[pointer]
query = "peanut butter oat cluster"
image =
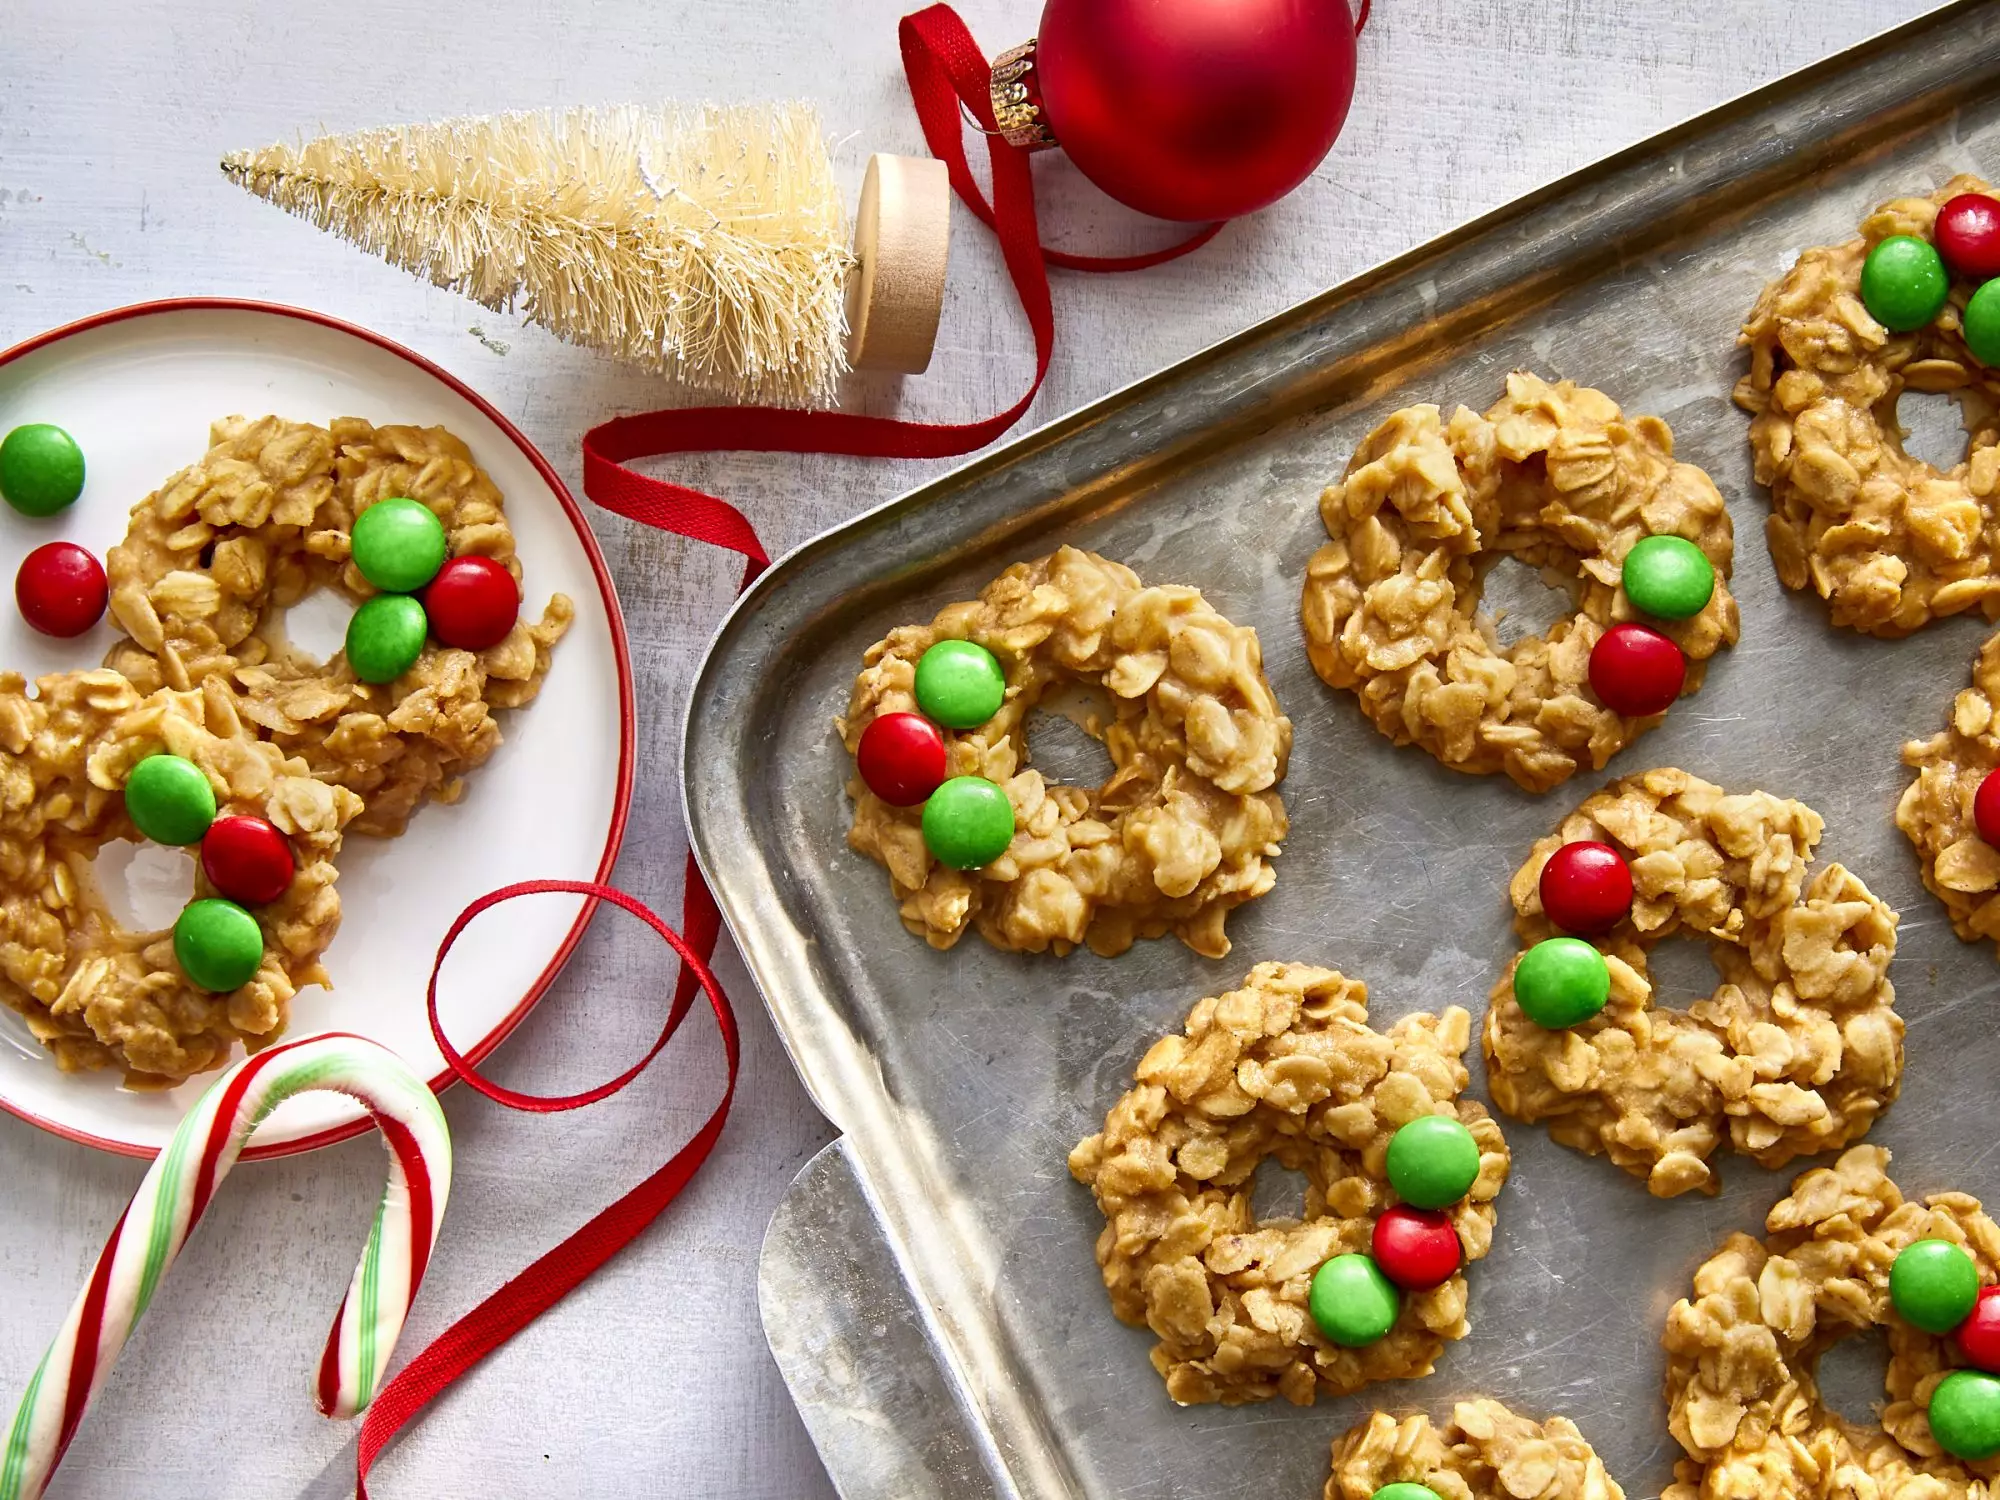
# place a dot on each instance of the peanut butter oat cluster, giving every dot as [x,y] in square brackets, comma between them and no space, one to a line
[198,586]
[1553,475]
[1285,1067]
[1742,1353]
[1889,541]
[1936,811]
[1798,1049]
[1485,1452]
[261,521]
[94,994]
[1188,825]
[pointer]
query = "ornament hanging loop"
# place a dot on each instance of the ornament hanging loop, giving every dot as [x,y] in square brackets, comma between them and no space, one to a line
[971,121]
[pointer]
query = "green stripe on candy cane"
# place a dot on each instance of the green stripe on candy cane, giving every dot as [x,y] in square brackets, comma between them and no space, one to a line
[164,1237]
[371,1282]
[178,1187]
[16,1460]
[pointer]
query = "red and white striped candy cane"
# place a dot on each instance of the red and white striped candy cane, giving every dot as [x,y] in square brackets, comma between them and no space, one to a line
[180,1186]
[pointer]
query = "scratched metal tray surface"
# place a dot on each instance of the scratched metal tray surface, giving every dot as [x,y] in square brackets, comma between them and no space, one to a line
[928,1285]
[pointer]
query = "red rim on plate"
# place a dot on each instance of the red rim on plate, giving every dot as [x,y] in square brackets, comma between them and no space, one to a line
[627,740]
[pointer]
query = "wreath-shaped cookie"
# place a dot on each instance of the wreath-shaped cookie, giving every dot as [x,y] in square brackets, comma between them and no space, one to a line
[1557,477]
[1182,833]
[1845,1253]
[1888,540]
[206,728]
[1798,1049]
[1951,811]
[1485,1452]
[265,518]
[1401,1173]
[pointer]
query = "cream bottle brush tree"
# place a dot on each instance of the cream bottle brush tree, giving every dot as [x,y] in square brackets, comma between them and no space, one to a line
[708,244]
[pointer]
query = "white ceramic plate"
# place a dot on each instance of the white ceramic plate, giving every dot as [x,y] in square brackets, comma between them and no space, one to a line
[137,388]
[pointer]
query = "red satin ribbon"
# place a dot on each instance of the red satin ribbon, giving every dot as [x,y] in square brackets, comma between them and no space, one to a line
[550,1279]
[946,70]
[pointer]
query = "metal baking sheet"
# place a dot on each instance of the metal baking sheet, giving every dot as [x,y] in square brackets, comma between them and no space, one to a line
[929,1286]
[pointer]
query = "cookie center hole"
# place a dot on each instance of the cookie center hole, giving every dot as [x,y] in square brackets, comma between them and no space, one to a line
[1521,601]
[1682,973]
[1277,1192]
[1852,1376]
[316,626]
[1061,741]
[143,885]
[1933,426]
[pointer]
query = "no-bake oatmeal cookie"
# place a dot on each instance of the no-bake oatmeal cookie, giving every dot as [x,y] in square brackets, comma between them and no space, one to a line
[1743,1351]
[1554,475]
[1936,811]
[1284,1067]
[1485,1452]
[1798,1049]
[1888,540]
[1190,822]
[262,520]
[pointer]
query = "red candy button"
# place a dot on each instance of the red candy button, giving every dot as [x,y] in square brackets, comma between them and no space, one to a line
[1967,234]
[1979,1334]
[901,758]
[1986,808]
[1586,887]
[1415,1247]
[247,859]
[1636,671]
[60,589]
[472,603]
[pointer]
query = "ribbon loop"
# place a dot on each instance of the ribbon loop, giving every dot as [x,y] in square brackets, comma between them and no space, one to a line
[517,1304]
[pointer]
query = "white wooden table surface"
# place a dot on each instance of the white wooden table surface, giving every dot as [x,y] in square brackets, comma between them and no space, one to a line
[654,1379]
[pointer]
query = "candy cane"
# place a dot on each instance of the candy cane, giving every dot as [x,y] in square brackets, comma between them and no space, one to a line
[180,1186]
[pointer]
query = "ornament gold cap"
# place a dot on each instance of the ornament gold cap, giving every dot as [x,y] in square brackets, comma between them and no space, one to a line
[902,243]
[1016,93]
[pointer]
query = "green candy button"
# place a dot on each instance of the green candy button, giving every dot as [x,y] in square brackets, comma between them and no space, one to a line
[1353,1303]
[1933,1284]
[169,799]
[1981,324]
[1561,982]
[1903,283]
[968,822]
[1668,577]
[41,469]
[398,545]
[1404,1489]
[960,684]
[1965,1415]
[385,637]
[1433,1161]
[218,944]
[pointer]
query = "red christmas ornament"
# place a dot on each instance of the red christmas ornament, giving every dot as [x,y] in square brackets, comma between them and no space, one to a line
[1636,671]
[1415,1247]
[1967,234]
[1183,109]
[472,603]
[1586,887]
[1986,808]
[901,758]
[60,589]
[1979,1334]
[247,859]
